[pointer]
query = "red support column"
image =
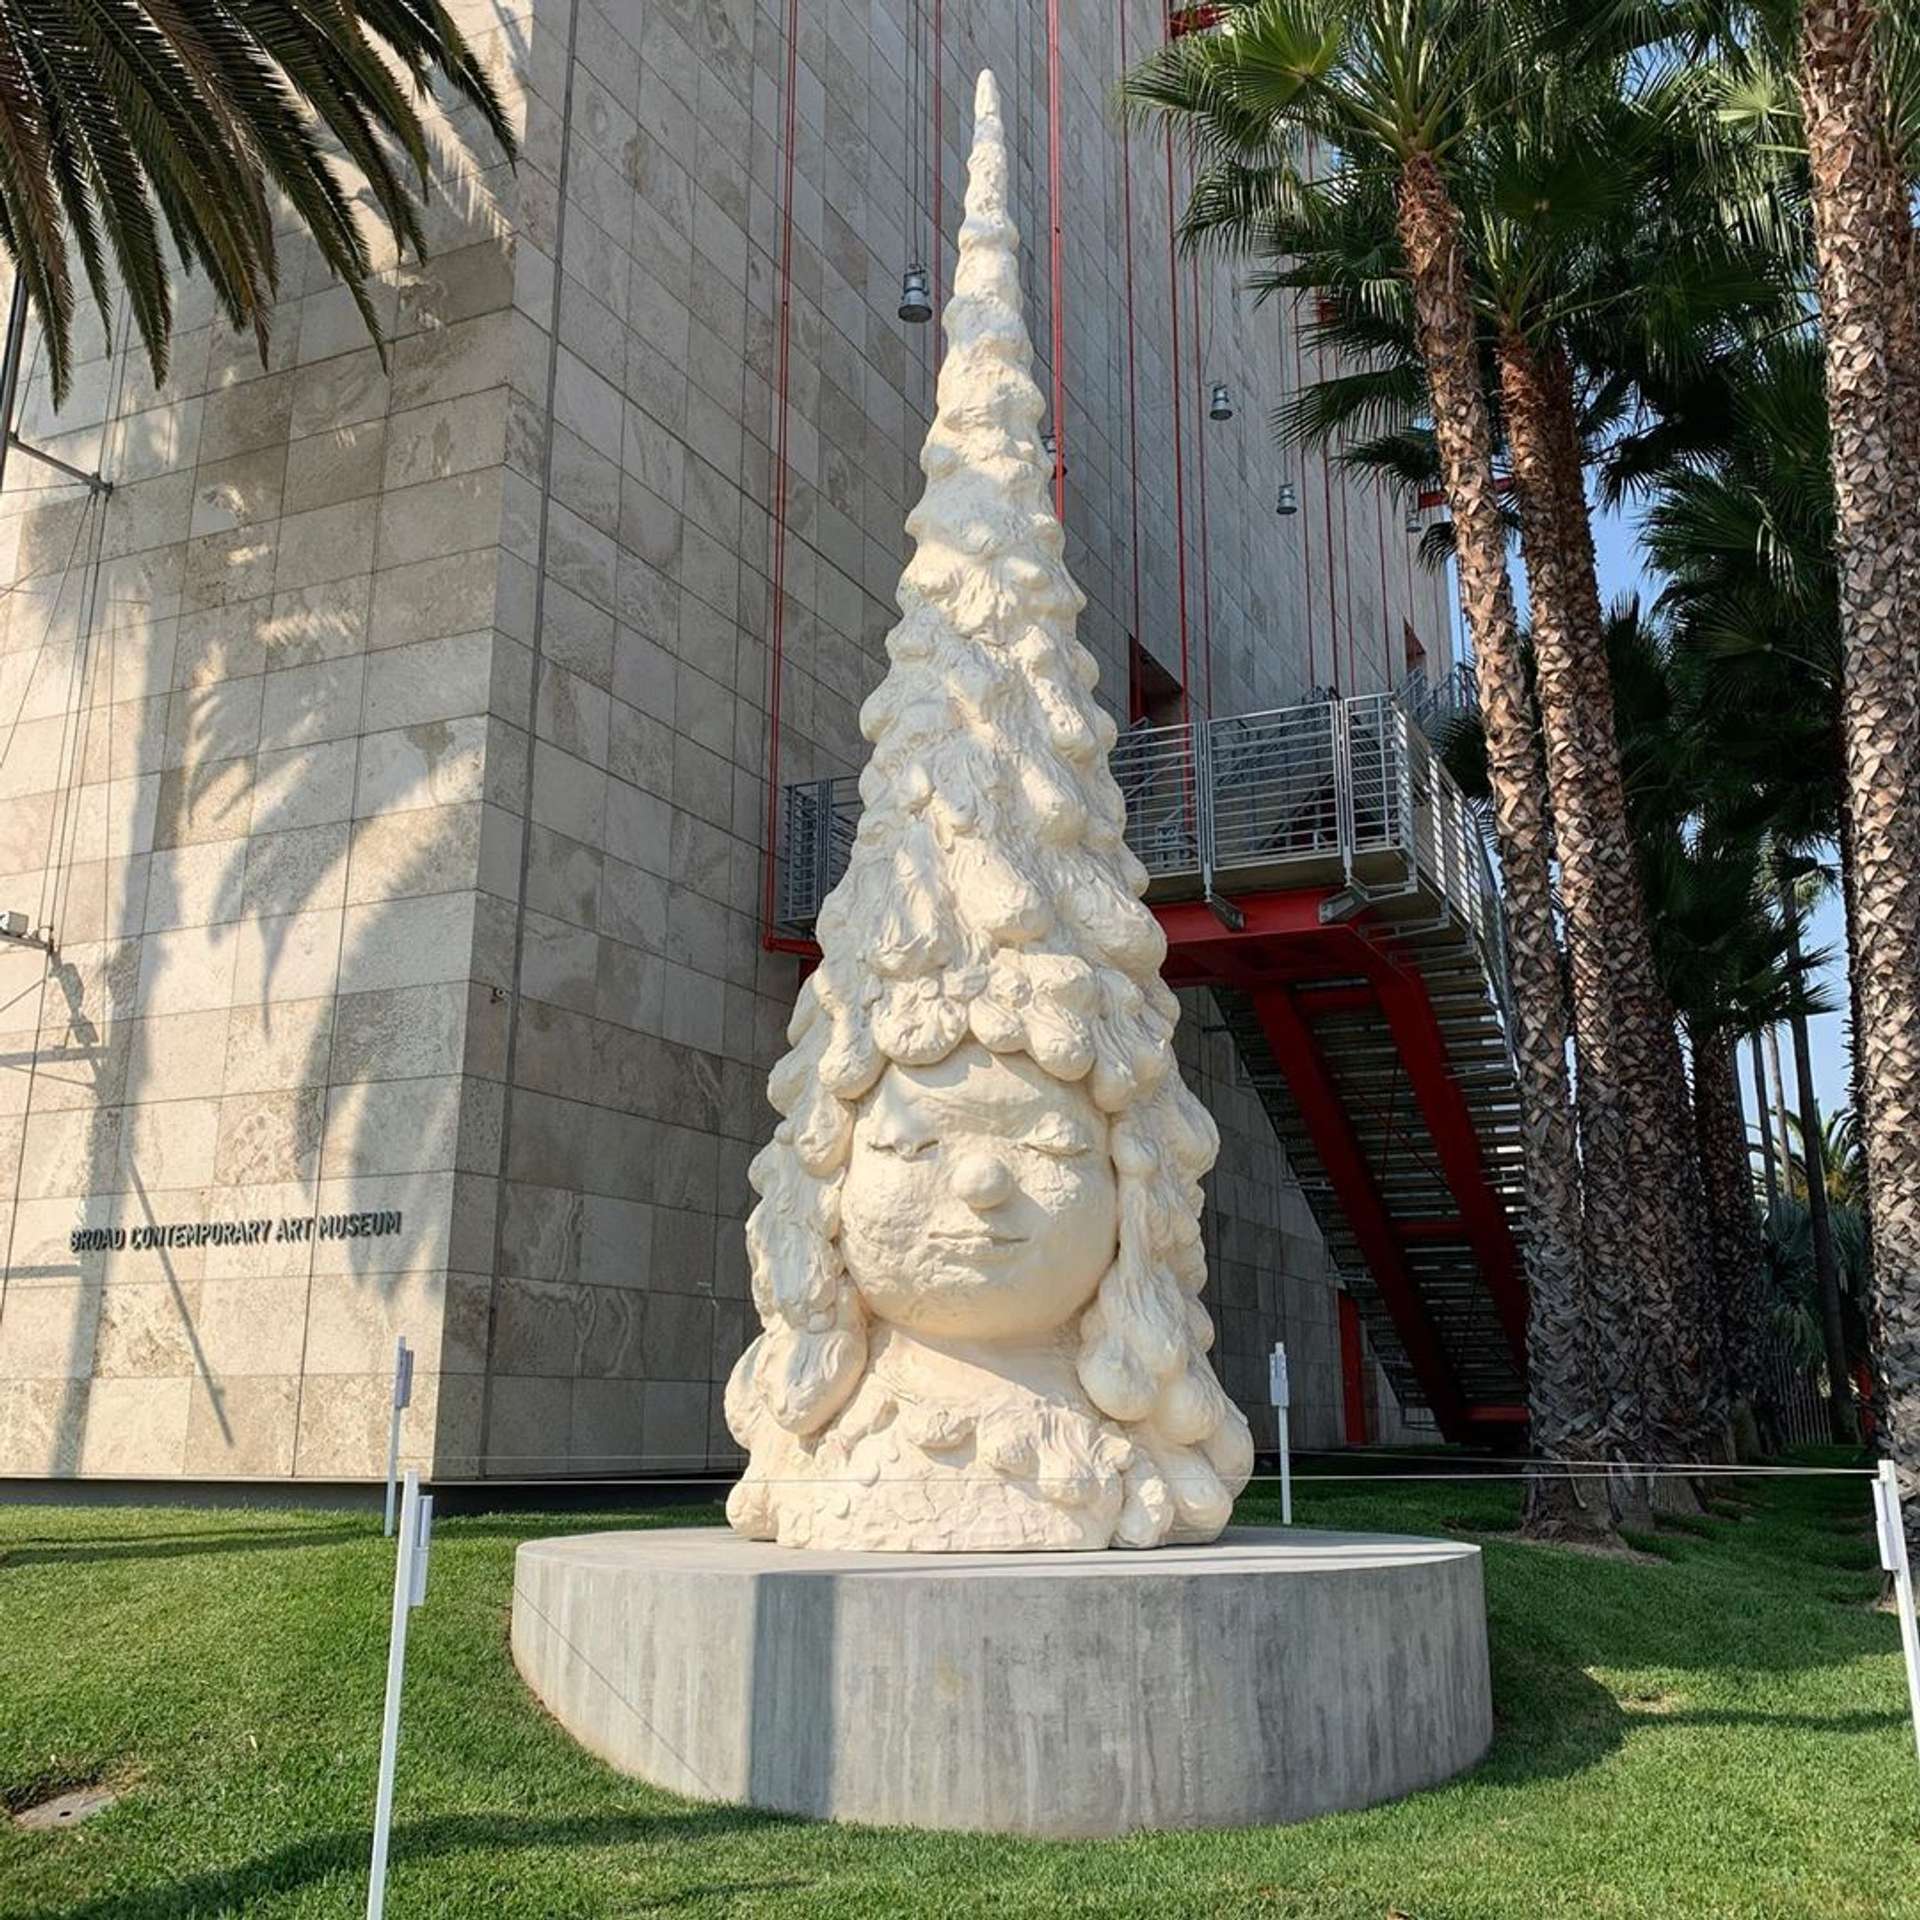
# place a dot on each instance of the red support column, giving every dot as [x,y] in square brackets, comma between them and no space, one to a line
[1057,294]
[1353,1374]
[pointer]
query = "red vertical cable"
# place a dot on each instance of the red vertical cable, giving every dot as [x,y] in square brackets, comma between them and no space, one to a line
[1206,565]
[1346,571]
[939,231]
[1346,554]
[1133,399]
[1179,472]
[912,66]
[1386,618]
[1326,500]
[1057,293]
[778,621]
[1409,547]
[1333,589]
[1306,519]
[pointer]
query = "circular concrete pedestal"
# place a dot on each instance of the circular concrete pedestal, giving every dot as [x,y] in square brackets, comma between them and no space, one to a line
[1269,1676]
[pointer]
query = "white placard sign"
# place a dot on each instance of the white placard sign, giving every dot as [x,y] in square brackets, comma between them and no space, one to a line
[1280,1392]
[402,1398]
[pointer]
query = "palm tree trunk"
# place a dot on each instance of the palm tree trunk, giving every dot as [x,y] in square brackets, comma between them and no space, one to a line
[1765,1124]
[1854,215]
[1782,1134]
[1680,1217]
[1856,1075]
[1645,1239]
[1727,1182]
[1560,1386]
[1686,1369]
[1826,1264]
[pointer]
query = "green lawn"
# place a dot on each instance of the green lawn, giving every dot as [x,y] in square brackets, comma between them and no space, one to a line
[1720,1732]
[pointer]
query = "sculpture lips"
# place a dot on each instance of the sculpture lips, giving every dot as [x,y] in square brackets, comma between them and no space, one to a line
[977,1241]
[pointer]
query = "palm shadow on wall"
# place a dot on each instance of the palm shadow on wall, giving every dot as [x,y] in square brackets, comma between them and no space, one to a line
[177,785]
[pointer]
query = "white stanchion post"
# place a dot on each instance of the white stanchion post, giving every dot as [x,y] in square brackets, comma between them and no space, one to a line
[402,1394]
[1893,1558]
[409,1591]
[1280,1391]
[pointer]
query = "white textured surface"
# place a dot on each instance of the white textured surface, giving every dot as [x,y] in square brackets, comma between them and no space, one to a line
[977,1253]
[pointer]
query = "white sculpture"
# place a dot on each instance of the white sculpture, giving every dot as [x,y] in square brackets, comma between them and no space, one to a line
[976,1253]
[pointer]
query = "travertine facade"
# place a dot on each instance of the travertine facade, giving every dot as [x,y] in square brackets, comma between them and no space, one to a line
[388,754]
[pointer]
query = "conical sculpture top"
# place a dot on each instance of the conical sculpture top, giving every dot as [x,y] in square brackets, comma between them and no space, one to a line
[976,1253]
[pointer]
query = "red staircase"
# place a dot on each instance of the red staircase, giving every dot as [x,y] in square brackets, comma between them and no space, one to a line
[1318,872]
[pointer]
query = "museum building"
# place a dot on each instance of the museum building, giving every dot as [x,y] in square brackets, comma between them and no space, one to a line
[419,773]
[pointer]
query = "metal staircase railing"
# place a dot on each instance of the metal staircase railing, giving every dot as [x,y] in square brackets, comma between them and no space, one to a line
[818,820]
[1331,784]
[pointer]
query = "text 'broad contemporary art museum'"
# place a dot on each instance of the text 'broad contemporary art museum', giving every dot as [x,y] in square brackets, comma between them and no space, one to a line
[390,760]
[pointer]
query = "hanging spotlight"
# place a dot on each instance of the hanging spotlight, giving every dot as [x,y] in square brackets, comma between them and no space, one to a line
[1220,407]
[914,302]
[1289,500]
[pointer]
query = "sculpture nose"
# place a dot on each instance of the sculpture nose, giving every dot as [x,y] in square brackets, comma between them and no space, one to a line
[982,1181]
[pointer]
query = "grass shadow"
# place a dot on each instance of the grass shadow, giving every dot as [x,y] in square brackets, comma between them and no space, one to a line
[347,1851]
[1558,1645]
[177,1546]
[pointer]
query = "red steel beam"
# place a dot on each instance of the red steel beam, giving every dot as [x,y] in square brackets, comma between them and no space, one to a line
[1425,1231]
[1281,938]
[1299,1058]
[1263,915]
[1436,496]
[1423,1051]
[1337,997]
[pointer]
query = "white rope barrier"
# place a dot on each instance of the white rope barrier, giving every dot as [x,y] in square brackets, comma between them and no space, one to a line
[567,1472]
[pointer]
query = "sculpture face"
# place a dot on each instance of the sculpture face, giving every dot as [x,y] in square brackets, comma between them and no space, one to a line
[979,1199]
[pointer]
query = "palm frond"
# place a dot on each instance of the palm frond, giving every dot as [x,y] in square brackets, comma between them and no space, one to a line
[149,135]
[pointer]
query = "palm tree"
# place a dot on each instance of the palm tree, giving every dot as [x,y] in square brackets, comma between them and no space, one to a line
[1853,65]
[1609,288]
[1843,1158]
[1589,292]
[1697,887]
[1705,802]
[1560,240]
[139,134]
[1731,959]
[1741,519]
[1391,88]
[1864,244]
[1528,211]
[1846,1429]
[1723,951]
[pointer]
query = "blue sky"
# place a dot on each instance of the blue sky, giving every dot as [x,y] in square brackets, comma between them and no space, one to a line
[1621,572]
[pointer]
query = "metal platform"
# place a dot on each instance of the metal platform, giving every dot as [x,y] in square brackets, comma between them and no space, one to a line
[1317,869]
